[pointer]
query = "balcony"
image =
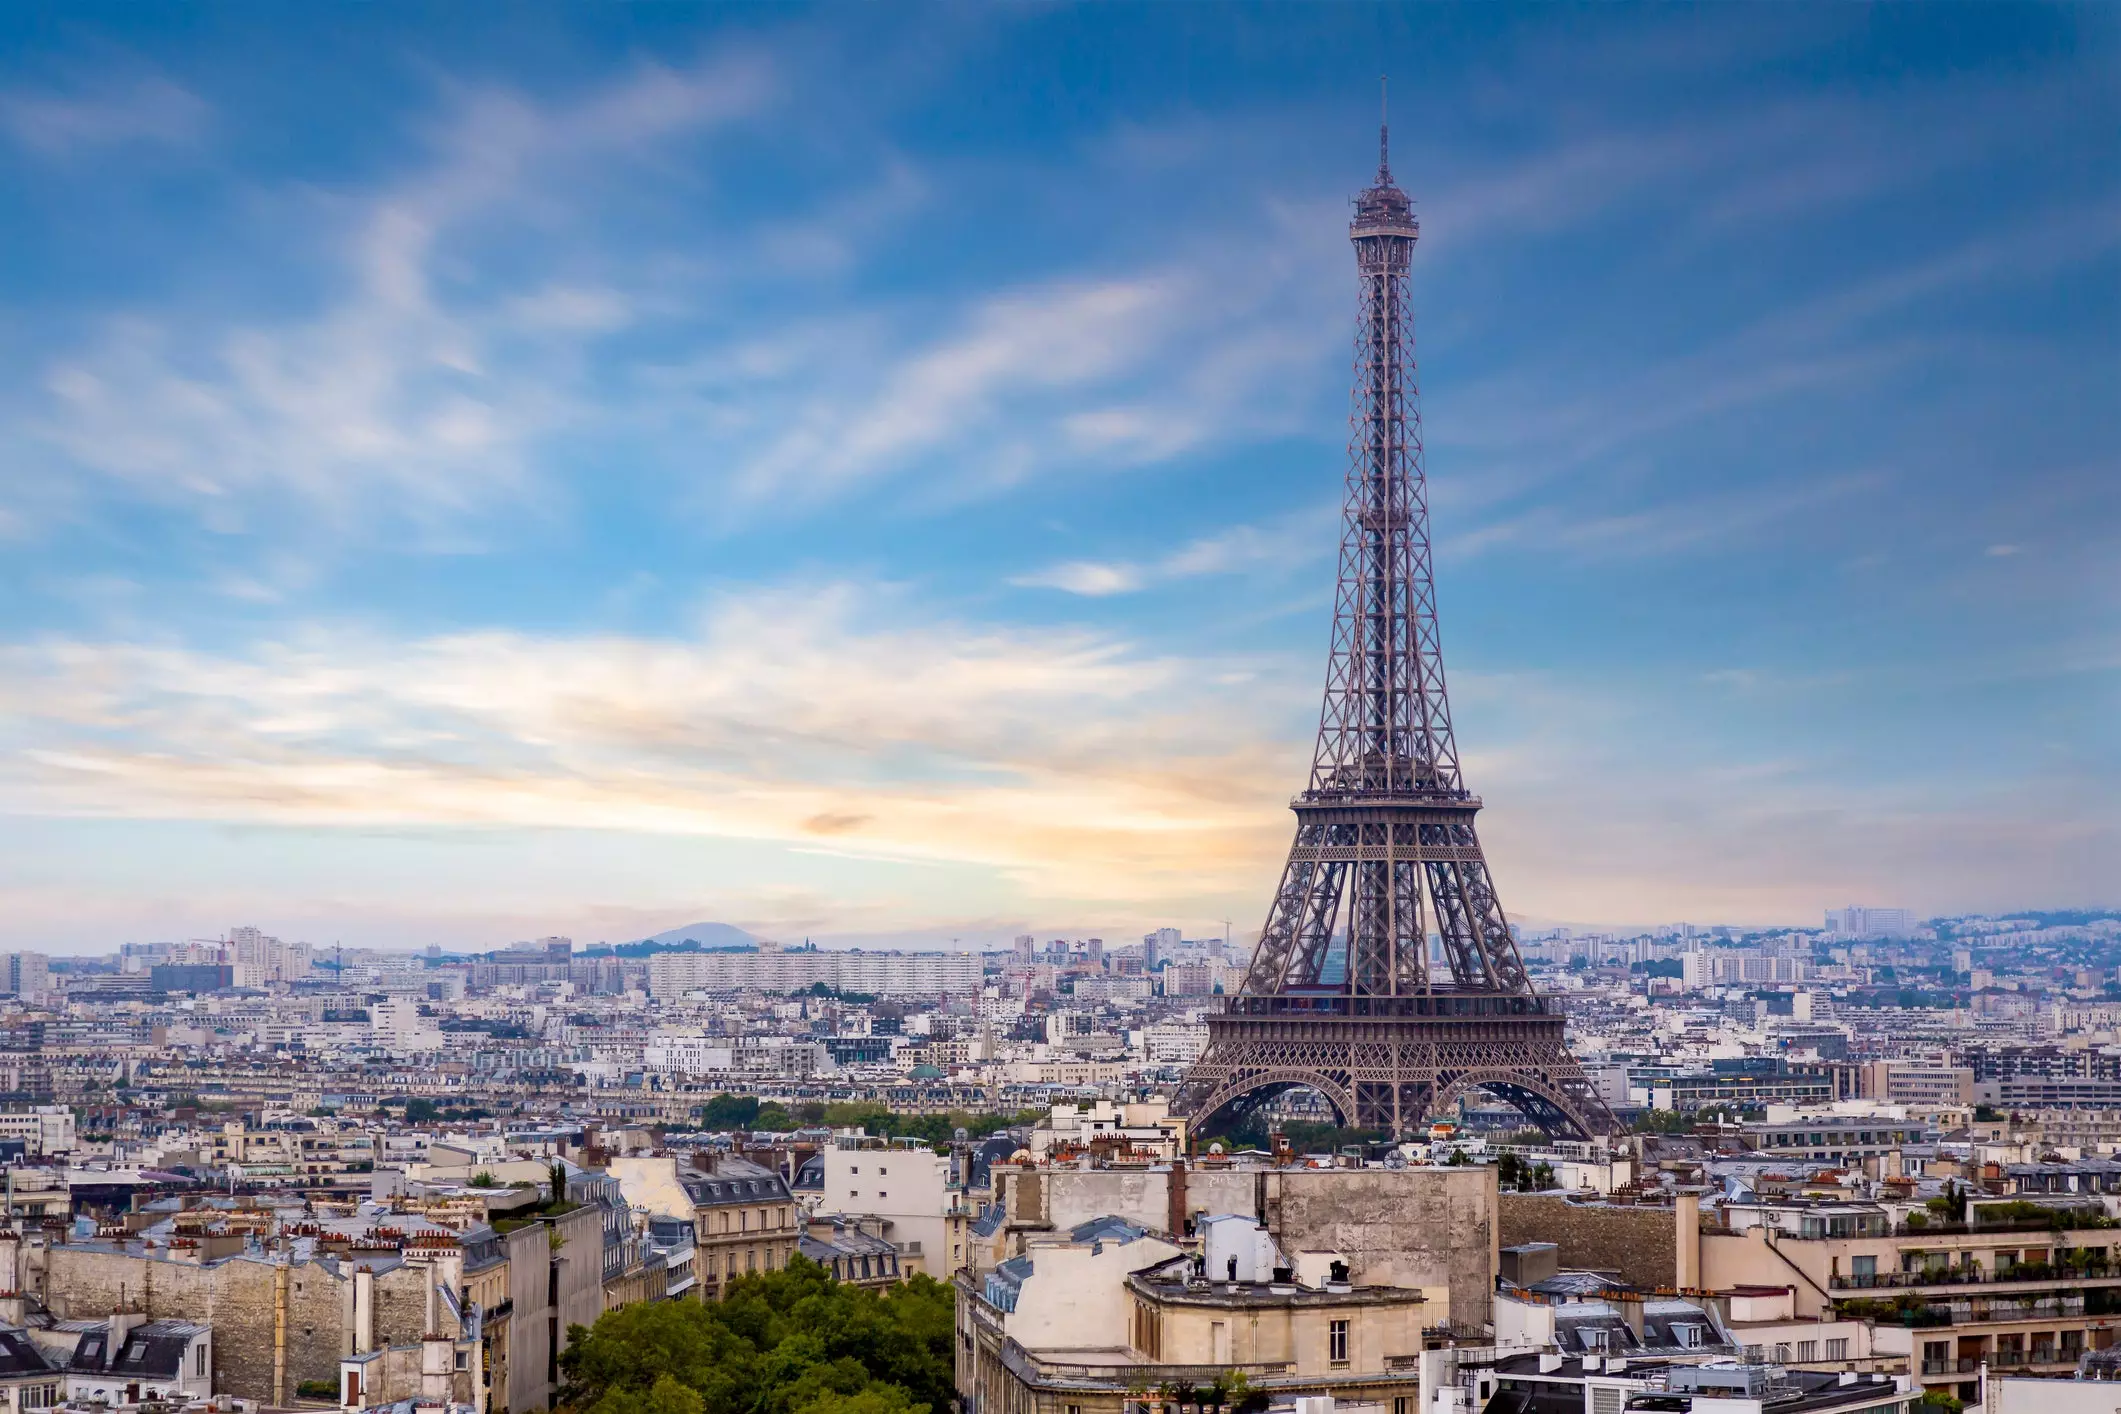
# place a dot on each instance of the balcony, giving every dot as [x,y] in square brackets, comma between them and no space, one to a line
[1914,1312]
[2024,1277]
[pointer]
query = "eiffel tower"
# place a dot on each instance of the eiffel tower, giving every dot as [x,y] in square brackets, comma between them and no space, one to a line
[1348,994]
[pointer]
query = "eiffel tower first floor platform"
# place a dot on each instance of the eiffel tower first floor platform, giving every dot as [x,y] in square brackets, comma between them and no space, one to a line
[1391,1063]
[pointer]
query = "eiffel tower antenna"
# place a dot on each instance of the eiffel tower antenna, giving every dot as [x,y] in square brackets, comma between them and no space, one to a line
[1384,132]
[1341,996]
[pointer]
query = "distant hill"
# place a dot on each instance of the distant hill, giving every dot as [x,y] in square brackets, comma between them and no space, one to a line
[705,937]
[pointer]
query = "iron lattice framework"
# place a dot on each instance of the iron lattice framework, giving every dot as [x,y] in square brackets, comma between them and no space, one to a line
[1347,994]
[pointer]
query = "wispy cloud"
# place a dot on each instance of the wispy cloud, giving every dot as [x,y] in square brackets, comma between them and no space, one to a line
[1292,540]
[150,110]
[1052,756]
[1721,521]
[408,400]
[1099,370]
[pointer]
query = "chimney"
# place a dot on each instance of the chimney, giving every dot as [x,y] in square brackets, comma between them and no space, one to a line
[120,1325]
[1549,1361]
[1175,1213]
[1686,1218]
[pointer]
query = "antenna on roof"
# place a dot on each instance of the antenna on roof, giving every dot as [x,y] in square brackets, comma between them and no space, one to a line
[1384,130]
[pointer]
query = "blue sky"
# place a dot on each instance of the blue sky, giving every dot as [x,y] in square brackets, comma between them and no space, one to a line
[870,473]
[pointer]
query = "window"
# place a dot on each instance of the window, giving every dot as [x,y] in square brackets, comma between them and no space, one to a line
[1400,1403]
[1838,1349]
[751,1259]
[198,1364]
[1807,1350]
[1337,1342]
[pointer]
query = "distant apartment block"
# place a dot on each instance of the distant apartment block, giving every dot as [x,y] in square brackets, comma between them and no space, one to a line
[29,974]
[1856,921]
[887,974]
[1721,967]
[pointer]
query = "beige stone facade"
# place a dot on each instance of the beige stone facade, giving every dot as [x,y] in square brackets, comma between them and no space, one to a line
[1436,1230]
[1945,1297]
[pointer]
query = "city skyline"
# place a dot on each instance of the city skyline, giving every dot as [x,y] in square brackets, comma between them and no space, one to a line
[578,479]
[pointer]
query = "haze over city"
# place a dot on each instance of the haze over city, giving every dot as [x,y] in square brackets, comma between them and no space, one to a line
[476,477]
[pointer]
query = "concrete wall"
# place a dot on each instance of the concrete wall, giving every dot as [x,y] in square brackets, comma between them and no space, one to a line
[237,1296]
[1076,1297]
[580,1269]
[1296,1332]
[1641,1244]
[1432,1228]
[1418,1227]
[530,1324]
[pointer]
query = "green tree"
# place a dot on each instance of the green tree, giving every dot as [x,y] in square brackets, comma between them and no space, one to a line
[729,1112]
[1663,1122]
[787,1342]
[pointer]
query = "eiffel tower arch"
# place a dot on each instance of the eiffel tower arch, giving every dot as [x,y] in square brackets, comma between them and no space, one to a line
[1387,978]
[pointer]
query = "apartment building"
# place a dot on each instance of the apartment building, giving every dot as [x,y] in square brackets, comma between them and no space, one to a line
[905,1191]
[290,1146]
[29,975]
[2006,1288]
[44,1130]
[1535,1383]
[1086,1321]
[744,1221]
[891,974]
[1921,1084]
[1832,1138]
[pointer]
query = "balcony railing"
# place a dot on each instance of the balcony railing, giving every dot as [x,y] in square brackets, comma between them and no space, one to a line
[1962,1311]
[2029,1273]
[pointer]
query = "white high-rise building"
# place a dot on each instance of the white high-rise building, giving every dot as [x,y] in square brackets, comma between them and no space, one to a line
[891,974]
[29,975]
[261,960]
[906,1192]
[1857,921]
